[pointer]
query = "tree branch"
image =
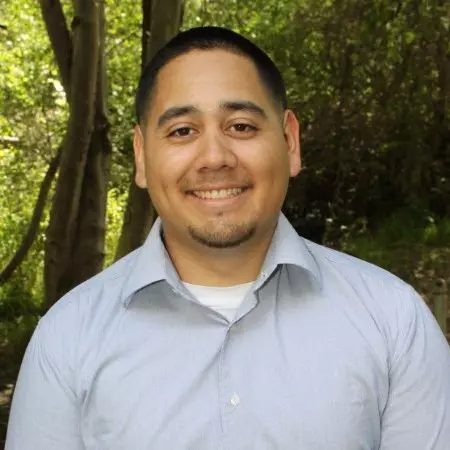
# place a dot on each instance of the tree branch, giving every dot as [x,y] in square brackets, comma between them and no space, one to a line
[60,38]
[36,217]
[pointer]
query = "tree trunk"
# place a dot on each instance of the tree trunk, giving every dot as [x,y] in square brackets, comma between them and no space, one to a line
[161,21]
[64,217]
[146,38]
[88,246]
[137,221]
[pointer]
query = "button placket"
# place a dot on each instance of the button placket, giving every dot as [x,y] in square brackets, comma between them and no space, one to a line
[223,382]
[230,398]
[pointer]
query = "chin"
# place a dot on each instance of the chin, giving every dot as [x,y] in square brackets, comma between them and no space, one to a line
[229,238]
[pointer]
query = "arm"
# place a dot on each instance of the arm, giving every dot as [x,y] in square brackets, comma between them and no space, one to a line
[417,415]
[44,412]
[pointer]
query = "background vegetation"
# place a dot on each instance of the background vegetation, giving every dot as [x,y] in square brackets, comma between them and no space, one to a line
[370,82]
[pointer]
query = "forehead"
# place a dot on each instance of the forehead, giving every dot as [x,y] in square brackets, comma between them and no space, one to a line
[206,78]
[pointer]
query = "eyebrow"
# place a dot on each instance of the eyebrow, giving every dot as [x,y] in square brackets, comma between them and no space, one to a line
[236,105]
[174,112]
[243,105]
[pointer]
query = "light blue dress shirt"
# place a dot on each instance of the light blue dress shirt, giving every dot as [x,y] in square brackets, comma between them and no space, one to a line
[326,353]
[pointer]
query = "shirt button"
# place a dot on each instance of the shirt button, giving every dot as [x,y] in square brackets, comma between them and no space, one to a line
[235,400]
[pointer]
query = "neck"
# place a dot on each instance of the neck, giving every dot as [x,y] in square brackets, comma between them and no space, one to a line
[201,265]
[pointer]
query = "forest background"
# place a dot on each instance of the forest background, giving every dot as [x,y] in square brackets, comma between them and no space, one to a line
[369,80]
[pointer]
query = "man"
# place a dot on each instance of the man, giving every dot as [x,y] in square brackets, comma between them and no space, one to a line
[226,330]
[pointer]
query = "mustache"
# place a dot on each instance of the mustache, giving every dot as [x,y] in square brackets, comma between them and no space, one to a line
[212,181]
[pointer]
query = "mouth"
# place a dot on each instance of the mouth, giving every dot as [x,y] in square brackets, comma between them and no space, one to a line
[218,194]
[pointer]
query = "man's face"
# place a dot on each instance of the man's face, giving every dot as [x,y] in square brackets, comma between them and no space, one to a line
[215,152]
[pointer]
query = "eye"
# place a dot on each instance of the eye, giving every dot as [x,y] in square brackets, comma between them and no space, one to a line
[243,127]
[181,132]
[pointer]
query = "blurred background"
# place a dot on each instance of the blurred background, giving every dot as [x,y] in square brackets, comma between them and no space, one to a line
[369,80]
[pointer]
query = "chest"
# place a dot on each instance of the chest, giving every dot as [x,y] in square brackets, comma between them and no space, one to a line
[275,379]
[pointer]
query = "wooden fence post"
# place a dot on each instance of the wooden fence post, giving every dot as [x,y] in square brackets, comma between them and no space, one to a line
[441,304]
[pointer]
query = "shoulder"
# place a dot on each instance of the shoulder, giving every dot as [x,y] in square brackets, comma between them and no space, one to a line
[366,291]
[86,313]
[346,267]
[102,290]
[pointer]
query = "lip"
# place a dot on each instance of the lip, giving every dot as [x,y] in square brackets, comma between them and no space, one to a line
[219,187]
[220,203]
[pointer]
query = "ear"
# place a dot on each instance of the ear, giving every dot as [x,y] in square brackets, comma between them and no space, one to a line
[139,157]
[292,136]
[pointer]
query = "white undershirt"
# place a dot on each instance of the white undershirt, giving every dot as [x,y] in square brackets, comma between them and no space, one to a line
[224,300]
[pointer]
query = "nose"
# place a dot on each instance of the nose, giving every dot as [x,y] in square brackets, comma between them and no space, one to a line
[215,152]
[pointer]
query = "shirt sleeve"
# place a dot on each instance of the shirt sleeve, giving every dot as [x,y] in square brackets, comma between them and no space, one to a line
[417,414]
[44,412]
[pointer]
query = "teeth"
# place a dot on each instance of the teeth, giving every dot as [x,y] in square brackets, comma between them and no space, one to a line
[222,193]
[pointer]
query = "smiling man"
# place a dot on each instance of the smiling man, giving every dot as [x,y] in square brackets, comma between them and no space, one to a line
[215,148]
[226,330]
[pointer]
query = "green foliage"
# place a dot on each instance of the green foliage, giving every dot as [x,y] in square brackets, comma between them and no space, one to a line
[116,206]
[371,99]
[406,227]
[31,100]
[123,53]
[368,81]
[31,126]
[412,243]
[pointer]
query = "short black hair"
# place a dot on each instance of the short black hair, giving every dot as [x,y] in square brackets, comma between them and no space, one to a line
[209,38]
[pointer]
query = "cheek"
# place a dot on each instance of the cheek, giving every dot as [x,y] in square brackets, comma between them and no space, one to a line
[271,169]
[270,163]
[165,172]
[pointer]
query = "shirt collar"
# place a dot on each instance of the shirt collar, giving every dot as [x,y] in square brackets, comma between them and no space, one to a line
[152,262]
[288,248]
[148,267]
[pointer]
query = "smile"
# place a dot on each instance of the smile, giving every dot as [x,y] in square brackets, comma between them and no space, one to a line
[218,193]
